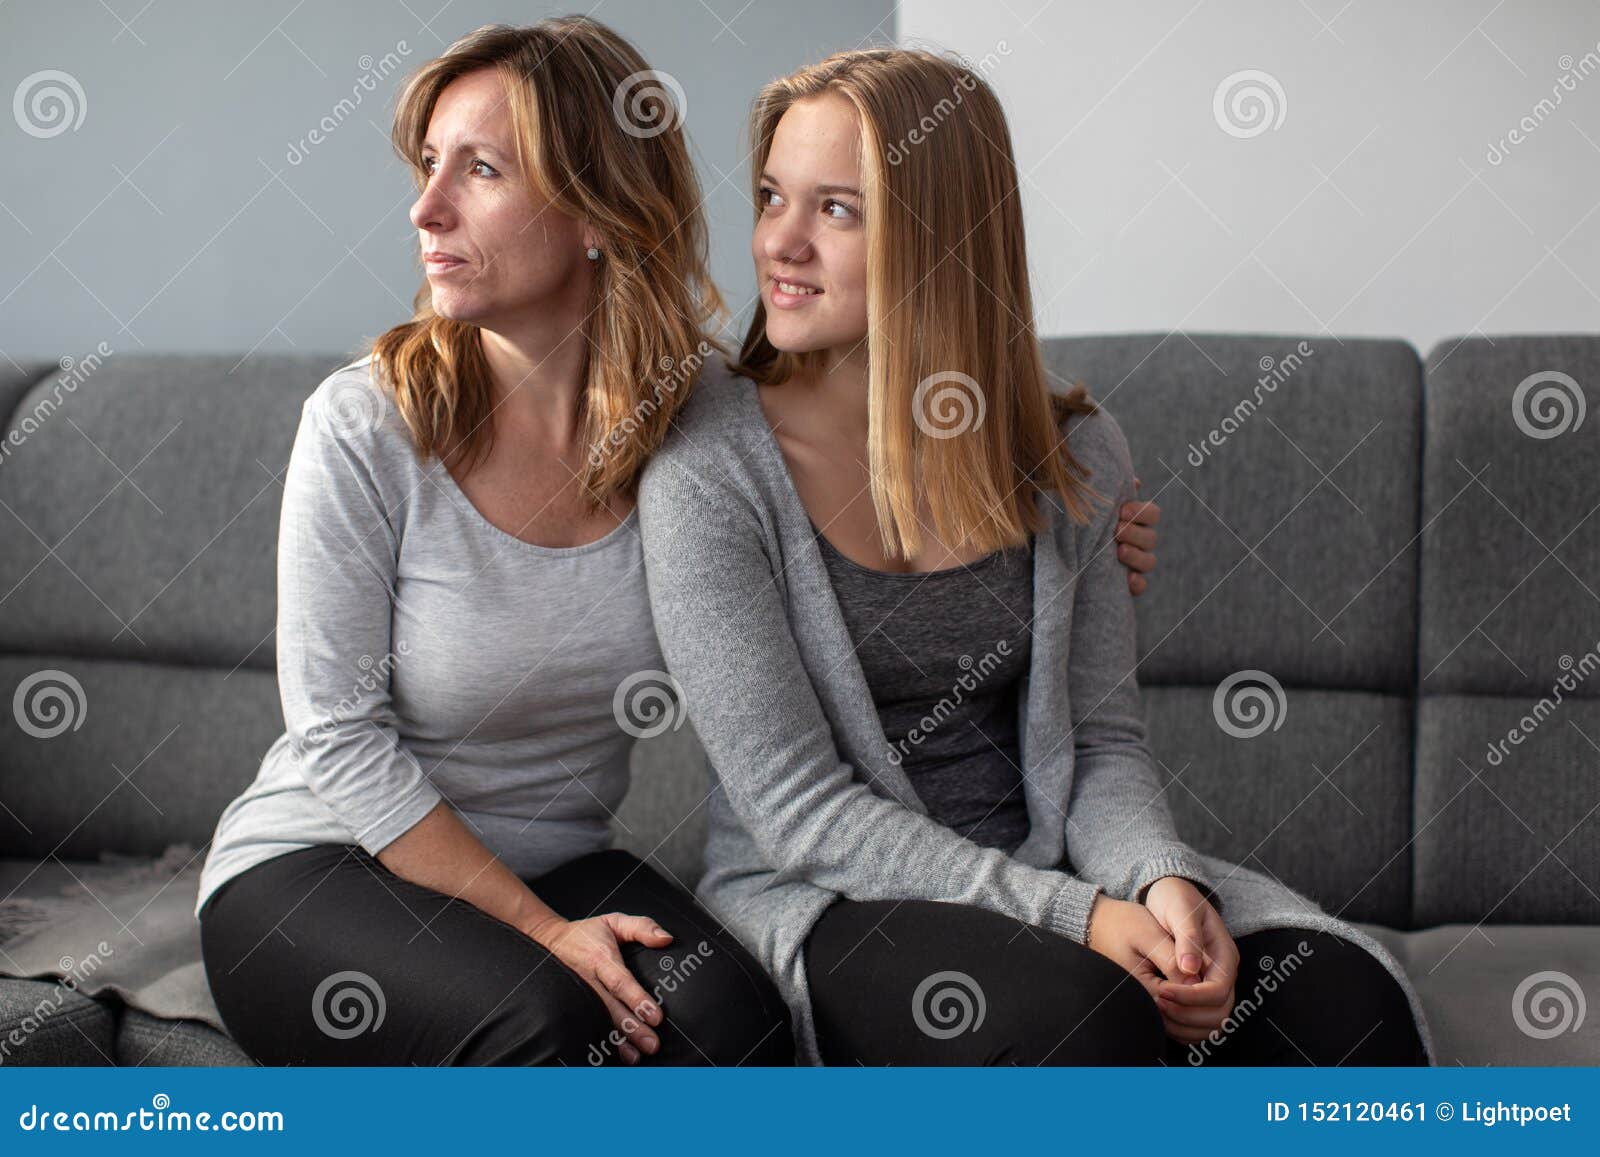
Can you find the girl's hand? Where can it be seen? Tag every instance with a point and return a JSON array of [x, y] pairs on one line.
[[1198, 996], [1136, 540], [1130, 935], [590, 948]]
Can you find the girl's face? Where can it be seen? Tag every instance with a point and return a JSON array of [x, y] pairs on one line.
[[810, 243], [515, 251]]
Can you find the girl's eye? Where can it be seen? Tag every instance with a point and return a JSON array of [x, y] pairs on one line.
[[832, 204], [767, 193]]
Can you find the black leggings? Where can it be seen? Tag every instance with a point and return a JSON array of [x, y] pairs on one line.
[[916, 982], [325, 957]]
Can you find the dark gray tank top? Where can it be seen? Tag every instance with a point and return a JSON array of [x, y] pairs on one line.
[[943, 653]]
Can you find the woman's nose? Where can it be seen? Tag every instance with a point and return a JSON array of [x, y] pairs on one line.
[[432, 210]]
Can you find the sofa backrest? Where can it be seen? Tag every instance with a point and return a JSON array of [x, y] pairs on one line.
[[1342, 620], [1508, 726]]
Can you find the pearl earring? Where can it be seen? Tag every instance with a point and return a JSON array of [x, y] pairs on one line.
[[593, 254]]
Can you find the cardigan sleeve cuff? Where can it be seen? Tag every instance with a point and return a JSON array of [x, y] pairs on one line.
[[1180, 861], [1070, 909]]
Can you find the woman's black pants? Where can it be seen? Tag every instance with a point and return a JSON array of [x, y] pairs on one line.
[[325, 957], [916, 982]]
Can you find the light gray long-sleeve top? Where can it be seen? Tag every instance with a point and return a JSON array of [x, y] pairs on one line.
[[425, 654], [808, 805]]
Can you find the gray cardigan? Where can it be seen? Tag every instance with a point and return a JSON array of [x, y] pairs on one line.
[[807, 804]]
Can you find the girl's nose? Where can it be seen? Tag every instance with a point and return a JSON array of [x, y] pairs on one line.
[[788, 242]]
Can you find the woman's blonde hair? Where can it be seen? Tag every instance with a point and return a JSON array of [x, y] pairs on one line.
[[596, 136], [949, 313]]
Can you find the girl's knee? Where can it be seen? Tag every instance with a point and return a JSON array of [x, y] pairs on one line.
[[723, 1004]]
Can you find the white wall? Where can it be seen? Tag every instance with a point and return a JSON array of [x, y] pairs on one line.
[[1374, 207]]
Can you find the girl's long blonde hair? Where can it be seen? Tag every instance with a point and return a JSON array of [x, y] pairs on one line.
[[596, 135], [959, 405]]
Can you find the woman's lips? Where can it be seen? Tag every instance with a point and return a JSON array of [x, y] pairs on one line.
[[436, 264]]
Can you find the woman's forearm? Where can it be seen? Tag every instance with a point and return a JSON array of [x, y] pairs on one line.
[[439, 852]]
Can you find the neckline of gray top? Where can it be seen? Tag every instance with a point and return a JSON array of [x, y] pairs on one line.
[[831, 551]]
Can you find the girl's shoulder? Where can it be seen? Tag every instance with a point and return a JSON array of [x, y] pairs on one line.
[[718, 432]]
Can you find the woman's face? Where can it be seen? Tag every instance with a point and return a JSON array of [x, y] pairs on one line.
[[811, 234], [515, 251]]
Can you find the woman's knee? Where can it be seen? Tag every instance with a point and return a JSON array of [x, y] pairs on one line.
[[541, 1028]]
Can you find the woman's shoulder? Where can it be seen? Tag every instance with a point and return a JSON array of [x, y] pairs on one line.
[[352, 406]]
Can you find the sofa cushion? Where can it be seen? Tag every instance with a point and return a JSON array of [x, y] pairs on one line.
[[146, 1040], [1504, 994], [1323, 802], [46, 1023]]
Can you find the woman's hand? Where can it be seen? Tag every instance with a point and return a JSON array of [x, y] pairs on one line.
[[590, 948], [1197, 997], [1136, 540]]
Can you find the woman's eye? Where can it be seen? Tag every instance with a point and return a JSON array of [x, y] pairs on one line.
[[769, 197], [428, 165], [829, 205]]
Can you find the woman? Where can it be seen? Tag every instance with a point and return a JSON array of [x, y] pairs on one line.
[[946, 858], [461, 595]]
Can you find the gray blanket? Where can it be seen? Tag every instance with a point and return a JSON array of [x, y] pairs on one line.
[[122, 926]]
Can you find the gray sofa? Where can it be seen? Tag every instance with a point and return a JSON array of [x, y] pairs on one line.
[[1383, 557]]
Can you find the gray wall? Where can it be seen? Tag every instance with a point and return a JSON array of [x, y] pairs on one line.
[[189, 210], [1384, 204]]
